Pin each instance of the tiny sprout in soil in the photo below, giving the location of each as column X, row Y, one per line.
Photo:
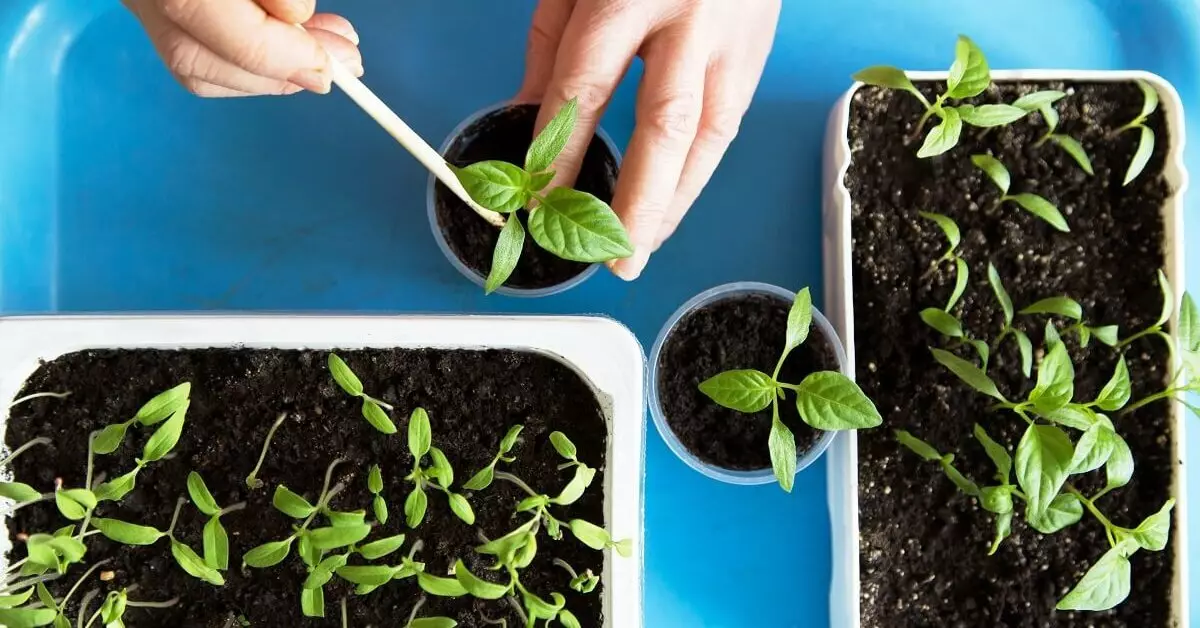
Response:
column 1031, row 203
column 1043, row 102
column 440, row 475
column 571, row 224
column 252, row 481
column 372, row 408
column 826, row 400
column 1145, row 147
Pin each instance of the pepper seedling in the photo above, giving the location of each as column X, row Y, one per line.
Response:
column 20, row 492
column 170, row 408
column 112, row 612
column 571, row 224
column 216, row 539
column 427, row 622
column 1185, row 343
column 372, row 408
column 134, row 534
column 826, row 400
column 583, row 583
column 1032, row 203
column 483, row 478
column 375, row 486
column 1043, row 103
column 252, row 481
column 161, row 407
column 18, row 611
column 1145, row 147
column 440, row 475
column 969, row 77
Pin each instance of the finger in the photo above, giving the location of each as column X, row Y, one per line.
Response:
column 597, row 46
column 549, row 21
column 334, row 24
column 668, row 113
column 290, row 11
column 197, row 67
column 341, row 49
column 726, row 98
column 242, row 33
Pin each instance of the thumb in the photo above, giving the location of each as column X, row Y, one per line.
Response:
column 549, row 21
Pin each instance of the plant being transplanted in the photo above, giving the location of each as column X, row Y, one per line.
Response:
column 1145, row 148
column 1031, row 203
column 969, row 77
column 571, row 224
column 826, row 400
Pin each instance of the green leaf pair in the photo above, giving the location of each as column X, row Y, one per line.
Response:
column 1032, row 203
column 162, row 406
column 1043, row 102
column 826, row 400
column 439, row 475
column 484, row 477
column 372, row 408
column 953, row 238
column 1145, row 148
column 571, row 224
column 378, row 503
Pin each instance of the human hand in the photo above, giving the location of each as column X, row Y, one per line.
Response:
column 218, row 48
column 703, row 60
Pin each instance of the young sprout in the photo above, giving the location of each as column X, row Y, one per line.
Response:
column 571, row 224
column 1069, row 308
column 1145, row 148
column 39, row 395
column 20, row 492
column 969, row 77
column 112, row 611
column 1024, row 345
column 161, row 407
column 1031, row 203
column 170, row 408
column 483, row 478
column 252, row 480
column 427, row 622
column 1185, row 343
column 583, row 583
column 127, row 533
column 370, row 577
column 47, row 610
column 439, row 475
column 826, row 400
column 953, row 238
column 216, row 540
column 1043, row 102
column 372, row 408
column 375, row 485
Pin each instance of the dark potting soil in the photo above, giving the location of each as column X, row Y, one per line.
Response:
column 924, row 545
column 744, row 332
column 472, row 399
column 506, row 135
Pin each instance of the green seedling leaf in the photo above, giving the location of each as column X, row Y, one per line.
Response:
column 433, row 622
column 268, row 554
column 944, row 136
column 496, row 185
column 624, row 547
column 533, row 502
column 1117, row 391
column 70, row 508
column 781, row 443
column 375, row 479
column 541, row 609
column 414, row 507
column 742, row 390
column 1051, row 337
column 949, row 229
column 994, row 170
column 1025, row 346
column 563, row 445
column 1043, row 461
column 960, row 282
column 550, row 142
column 985, row 116
column 1002, row 297
column 476, row 586
column 163, row 405
column 336, row 537
column 323, row 572
column 918, row 446
column 510, row 439
column 441, row 469
column 999, row 455
column 828, row 400
column 963, row 483
column 1073, row 148
column 567, row 619
column 1104, row 586
column 1150, row 99
column 378, row 549
column 591, row 534
column 1041, row 208
column 1003, row 529
column 1065, row 510
column 45, row 597
column 506, row 254
column 1142, row 156
column 524, row 555
column 166, row 436
column 339, row 519
column 461, row 508
column 969, row 75
column 71, row 549
column 968, row 373
column 113, row 608
column 1189, row 325
column 200, row 495
column 1050, row 116
column 985, row 353
column 996, row 499
column 577, row 226
column 1058, row 306
column 1168, row 294
column 1077, row 417
column 799, row 320
column 309, row 556
column 194, row 565
column 127, row 533
column 291, row 504
column 942, row 322
column 420, row 436
column 1094, row 449
column 11, row 601
column 1056, row 381
column 345, row 378
column 539, row 181
column 886, row 76
column 370, row 575
column 574, row 489
column 117, row 488
column 1037, row 100
column 216, row 545
column 441, row 587
column 377, row 417
column 109, row 438
column 1119, row 467
column 312, row 602
column 481, row 479
column 1107, row 334
column 1154, row 532
column 19, row 492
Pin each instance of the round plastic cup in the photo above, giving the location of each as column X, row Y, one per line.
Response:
column 719, row 293
column 470, row 273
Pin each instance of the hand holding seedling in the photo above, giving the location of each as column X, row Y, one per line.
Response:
column 703, row 60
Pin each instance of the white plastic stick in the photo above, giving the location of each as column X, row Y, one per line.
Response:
column 409, row 139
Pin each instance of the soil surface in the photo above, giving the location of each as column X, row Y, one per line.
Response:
column 472, row 399
column 924, row 545
column 744, row 332
column 506, row 135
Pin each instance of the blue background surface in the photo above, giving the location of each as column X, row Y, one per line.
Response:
column 119, row 191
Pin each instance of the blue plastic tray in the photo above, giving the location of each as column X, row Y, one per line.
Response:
column 118, row 191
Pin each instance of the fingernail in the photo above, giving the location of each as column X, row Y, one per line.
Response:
column 312, row 80
column 352, row 35
column 631, row 268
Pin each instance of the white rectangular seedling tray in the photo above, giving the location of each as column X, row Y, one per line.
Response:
column 839, row 305
column 602, row 351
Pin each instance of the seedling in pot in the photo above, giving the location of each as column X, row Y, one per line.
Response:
column 252, row 481
column 826, row 400
column 1043, row 102
column 427, row 622
column 440, row 475
column 216, row 540
column 1145, row 148
column 1031, row 203
column 583, row 583
column 161, row 407
column 571, row 224
column 483, row 478
column 372, row 408
column 969, row 77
